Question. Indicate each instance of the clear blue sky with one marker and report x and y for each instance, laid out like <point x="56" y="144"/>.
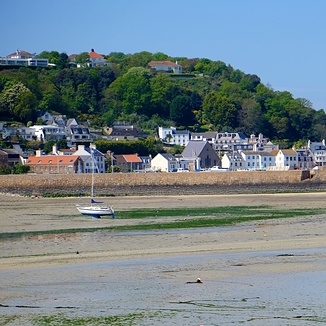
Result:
<point x="281" y="41"/>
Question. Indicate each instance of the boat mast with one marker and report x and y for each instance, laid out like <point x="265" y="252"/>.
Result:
<point x="93" y="165"/>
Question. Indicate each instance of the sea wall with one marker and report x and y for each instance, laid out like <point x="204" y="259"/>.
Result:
<point x="121" y="184"/>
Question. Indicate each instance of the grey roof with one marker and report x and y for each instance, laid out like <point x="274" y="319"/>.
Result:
<point x="11" y="151"/>
<point x="194" y="148"/>
<point x="168" y="156"/>
<point x="180" y="132"/>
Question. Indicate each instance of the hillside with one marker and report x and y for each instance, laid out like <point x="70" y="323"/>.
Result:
<point x="208" y="95"/>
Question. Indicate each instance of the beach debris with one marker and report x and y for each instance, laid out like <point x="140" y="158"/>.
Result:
<point x="77" y="252"/>
<point x="199" y="280"/>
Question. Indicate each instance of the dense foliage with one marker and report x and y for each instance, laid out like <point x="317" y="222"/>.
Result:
<point x="210" y="95"/>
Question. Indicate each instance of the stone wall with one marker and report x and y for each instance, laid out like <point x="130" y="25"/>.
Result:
<point x="118" y="184"/>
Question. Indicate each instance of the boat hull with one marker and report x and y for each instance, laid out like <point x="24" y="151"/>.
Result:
<point x="96" y="211"/>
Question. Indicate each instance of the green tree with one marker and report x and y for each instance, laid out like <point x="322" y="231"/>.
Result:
<point x="53" y="56"/>
<point x="20" y="102"/>
<point x="82" y="58"/>
<point x="181" y="112"/>
<point x="250" y="118"/>
<point x="48" y="146"/>
<point x="219" y="111"/>
<point x="131" y="92"/>
<point x="26" y="107"/>
<point x="63" y="61"/>
<point x="161" y="95"/>
<point x="20" y="169"/>
<point x="159" y="56"/>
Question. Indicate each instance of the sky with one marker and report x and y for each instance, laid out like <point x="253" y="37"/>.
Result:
<point x="280" y="41"/>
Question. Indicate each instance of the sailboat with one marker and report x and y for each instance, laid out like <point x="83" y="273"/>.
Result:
<point x="96" y="209"/>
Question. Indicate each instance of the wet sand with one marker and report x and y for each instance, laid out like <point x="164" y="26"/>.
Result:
<point x="114" y="266"/>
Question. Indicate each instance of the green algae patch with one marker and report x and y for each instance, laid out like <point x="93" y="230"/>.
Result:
<point x="183" y="218"/>
<point x="62" y="320"/>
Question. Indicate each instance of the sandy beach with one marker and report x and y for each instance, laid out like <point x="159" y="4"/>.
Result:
<point x="273" y="247"/>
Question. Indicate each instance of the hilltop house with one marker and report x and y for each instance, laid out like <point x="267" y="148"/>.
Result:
<point x="95" y="59"/>
<point x="23" y="58"/>
<point x="166" y="66"/>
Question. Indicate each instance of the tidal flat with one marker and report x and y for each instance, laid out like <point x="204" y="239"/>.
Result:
<point x="259" y="271"/>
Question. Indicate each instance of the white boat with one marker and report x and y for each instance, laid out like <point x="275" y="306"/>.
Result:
<point x="217" y="169"/>
<point x="96" y="209"/>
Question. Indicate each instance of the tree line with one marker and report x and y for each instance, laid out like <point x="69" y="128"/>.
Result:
<point x="209" y="95"/>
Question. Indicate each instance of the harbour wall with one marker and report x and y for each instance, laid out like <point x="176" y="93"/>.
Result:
<point x="127" y="184"/>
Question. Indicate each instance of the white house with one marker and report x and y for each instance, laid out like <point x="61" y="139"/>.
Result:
<point x="48" y="132"/>
<point x="54" y="119"/>
<point x="164" y="162"/>
<point x="76" y="133"/>
<point x="233" y="161"/>
<point x="23" y="58"/>
<point x="285" y="159"/>
<point x="85" y="154"/>
<point x="173" y="136"/>
<point x="231" y="142"/>
<point x="261" y="143"/>
<point x="258" y="160"/>
<point x="26" y="133"/>
<point x="96" y="59"/>
<point x="318" y="152"/>
<point x="166" y="66"/>
<point x="305" y="161"/>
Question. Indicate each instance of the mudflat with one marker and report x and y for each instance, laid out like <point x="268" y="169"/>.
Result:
<point x="19" y="214"/>
<point x="252" y="272"/>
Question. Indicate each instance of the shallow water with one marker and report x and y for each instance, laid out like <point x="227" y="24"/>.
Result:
<point x="236" y="289"/>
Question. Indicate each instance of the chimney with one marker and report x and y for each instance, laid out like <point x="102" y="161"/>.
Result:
<point x="55" y="149"/>
<point x="38" y="152"/>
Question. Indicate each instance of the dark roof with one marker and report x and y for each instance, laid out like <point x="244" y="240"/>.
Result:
<point x="168" y="156"/>
<point x="180" y="132"/>
<point x="11" y="151"/>
<point x="194" y="148"/>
